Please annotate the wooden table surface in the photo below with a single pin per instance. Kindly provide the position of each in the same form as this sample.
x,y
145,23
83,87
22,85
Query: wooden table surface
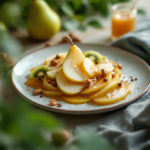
x,y
97,36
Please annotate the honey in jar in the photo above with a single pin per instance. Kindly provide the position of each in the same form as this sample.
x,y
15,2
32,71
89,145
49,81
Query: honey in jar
x,y
123,20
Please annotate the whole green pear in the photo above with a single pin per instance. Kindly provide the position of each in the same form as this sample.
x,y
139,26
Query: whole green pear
x,y
42,21
10,13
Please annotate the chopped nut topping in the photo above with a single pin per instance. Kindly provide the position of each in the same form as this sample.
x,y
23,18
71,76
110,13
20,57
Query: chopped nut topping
x,y
41,95
54,62
57,57
113,75
37,91
105,80
75,38
119,84
88,83
63,40
40,78
104,73
48,44
132,80
53,82
119,66
49,81
53,102
59,105
97,77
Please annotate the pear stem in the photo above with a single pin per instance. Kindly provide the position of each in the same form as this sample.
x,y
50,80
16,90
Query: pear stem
x,y
68,38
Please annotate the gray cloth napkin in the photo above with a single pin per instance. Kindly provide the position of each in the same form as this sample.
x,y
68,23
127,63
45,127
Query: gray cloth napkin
x,y
137,42
129,127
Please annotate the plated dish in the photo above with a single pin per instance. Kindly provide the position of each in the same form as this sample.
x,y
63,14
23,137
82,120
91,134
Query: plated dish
x,y
78,77
84,80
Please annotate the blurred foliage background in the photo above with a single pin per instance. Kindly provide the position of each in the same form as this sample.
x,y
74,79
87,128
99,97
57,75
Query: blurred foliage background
x,y
74,13
23,127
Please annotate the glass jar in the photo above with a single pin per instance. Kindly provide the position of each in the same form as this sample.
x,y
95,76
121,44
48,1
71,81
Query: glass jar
x,y
123,19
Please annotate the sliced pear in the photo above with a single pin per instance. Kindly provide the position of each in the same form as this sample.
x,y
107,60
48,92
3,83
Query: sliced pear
x,y
88,67
71,66
76,99
52,94
48,86
66,86
97,86
100,84
53,73
114,82
115,95
107,66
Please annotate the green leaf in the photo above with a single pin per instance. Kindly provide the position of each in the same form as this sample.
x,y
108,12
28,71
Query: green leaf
x,y
141,12
70,25
76,4
82,27
10,45
87,139
79,17
100,6
95,24
65,7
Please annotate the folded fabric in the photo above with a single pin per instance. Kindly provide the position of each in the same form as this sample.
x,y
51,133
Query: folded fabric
x,y
129,128
137,42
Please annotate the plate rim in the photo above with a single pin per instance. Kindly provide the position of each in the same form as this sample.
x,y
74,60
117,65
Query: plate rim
x,y
82,112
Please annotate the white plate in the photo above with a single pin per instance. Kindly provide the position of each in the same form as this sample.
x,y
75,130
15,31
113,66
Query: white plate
x,y
132,66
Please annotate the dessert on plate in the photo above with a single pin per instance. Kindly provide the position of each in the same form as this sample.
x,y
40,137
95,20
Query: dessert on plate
x,y
79,77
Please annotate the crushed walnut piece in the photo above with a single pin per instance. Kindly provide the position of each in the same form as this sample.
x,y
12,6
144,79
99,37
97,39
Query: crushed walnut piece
x,y
54,83
119,84
136,79
104,73
113,75
54,62
48,44
59,105
97,77
57,57
74,38
119,66
53,102
88,83
37,91
133,79
105,80
41,95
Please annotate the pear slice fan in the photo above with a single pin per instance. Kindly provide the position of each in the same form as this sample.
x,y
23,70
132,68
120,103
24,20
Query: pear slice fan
x,y
78,79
